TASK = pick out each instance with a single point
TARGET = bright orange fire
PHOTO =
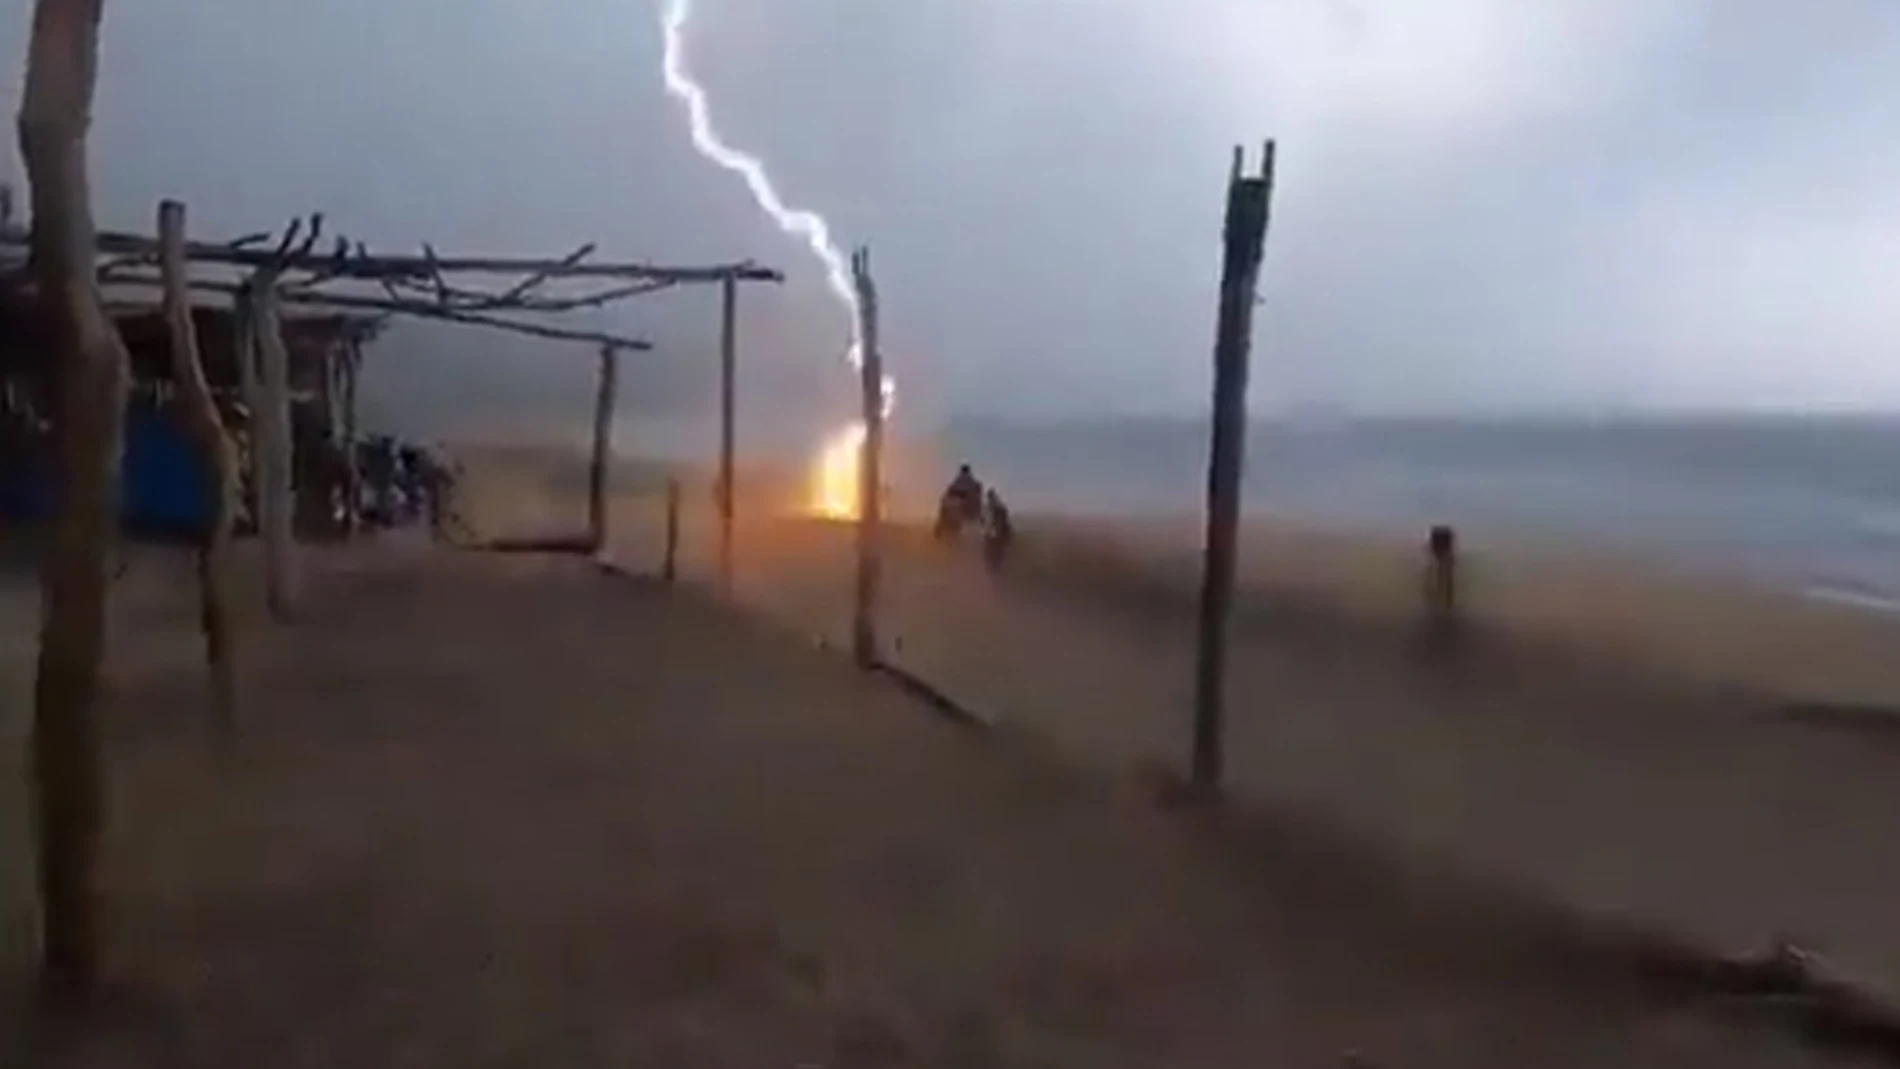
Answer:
(834, 476)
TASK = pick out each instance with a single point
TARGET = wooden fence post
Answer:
(598, 471)
(668, 563)
(200, 411)
(244, 352)
(352, 473)
(1248, 204)
(864, 637)
(728, 403)
(276, 444)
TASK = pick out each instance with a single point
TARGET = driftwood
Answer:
(1248, 202)
(410, 307)
(599, 471)
(272, 443)
(55, 110)
(200, 416)
(464, 299)
(864, 638)
(426, 267)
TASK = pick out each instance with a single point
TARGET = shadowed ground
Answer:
(504, 811)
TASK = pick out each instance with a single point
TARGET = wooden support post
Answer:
(274, 444)
(90, 362)
(864, 638)
(1248, 203)
(599, 470)
(669, 567)
(244, 352)
(330, 405)
(199, 410)
(352, 473)
(728, 374)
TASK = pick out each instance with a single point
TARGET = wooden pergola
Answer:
(261, 273)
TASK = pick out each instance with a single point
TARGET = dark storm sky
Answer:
(1483, 203)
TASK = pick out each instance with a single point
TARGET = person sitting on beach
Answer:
(998, 530)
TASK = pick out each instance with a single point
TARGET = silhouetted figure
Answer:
(962, 503)
(379, 477)
(999, 533)
(438, 487)
(412, 479)
(1441, 578)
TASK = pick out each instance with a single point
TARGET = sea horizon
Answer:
(1804, 500)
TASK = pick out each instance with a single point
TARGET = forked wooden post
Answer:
(1248, 206)
(669, 567)
(728, 404)
(864, 637)
(598, 470)
(199, 411)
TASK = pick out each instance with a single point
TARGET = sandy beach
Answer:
(507, 810)
(492, 807)
(1709, 759)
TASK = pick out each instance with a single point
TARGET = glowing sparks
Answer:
(838, 462)
(834, 478)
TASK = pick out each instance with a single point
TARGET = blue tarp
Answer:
(163, 489)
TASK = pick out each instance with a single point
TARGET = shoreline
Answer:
(1705, 622)
(1686, 752)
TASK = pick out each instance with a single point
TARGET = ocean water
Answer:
(1807, 502)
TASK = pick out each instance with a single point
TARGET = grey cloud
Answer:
(1483, 204)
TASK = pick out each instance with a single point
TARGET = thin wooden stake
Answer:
(864, 637)
(202, 422)
(598, 471)
(669, 563)
(1248, 204)
(728, 404)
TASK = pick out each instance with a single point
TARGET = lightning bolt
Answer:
(802, 223)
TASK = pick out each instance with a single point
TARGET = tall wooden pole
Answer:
(597, 473)
(89, 428)
(275, 445)
(202, 422)
(864, 639)
(1248, 204)
(352, 473)
(244, 352)
(330, 405)
(728, 386)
